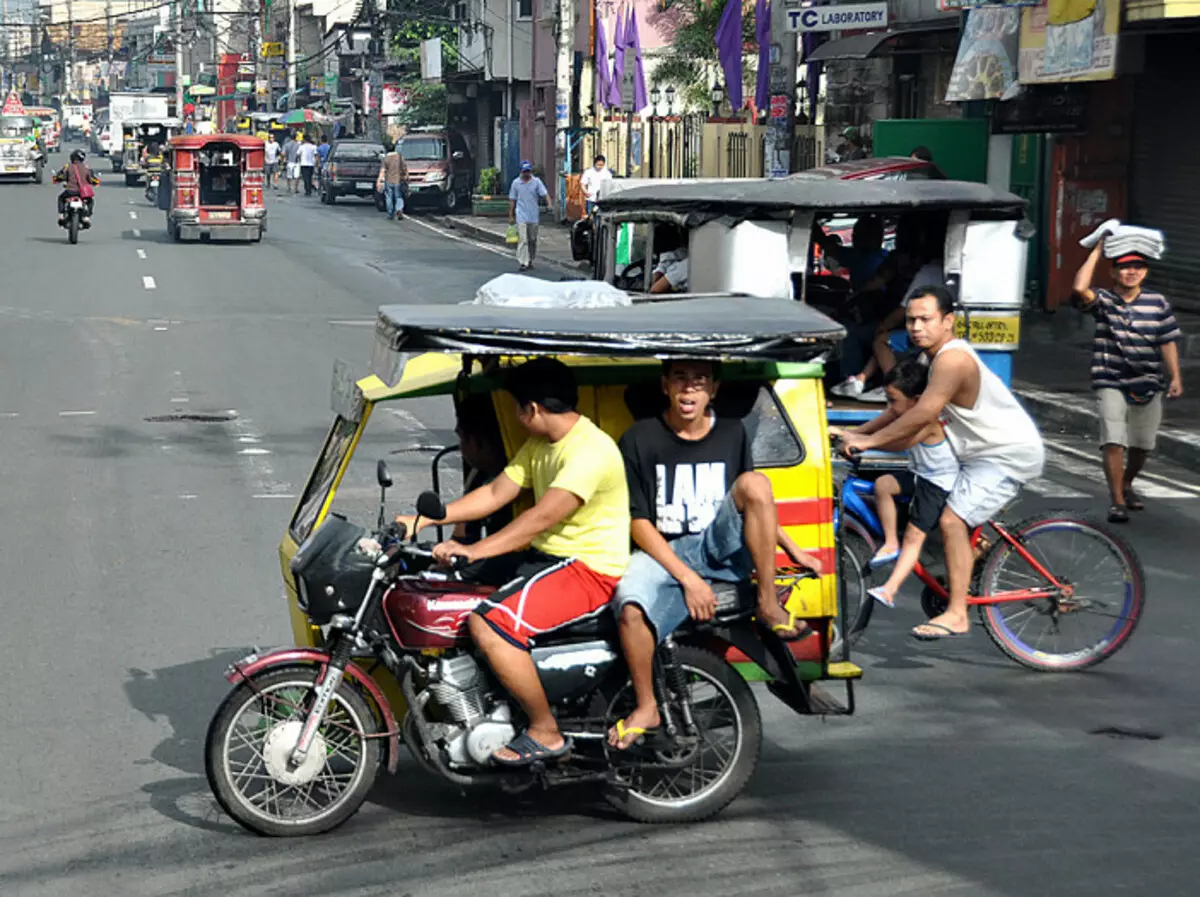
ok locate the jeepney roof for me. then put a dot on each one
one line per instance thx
(718, 327)
(745, 195)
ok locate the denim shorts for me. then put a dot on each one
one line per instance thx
(718, 554)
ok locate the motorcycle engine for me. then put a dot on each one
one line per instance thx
(483, 725)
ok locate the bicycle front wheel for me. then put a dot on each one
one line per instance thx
(1073, 630)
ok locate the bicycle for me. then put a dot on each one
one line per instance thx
(1014, 571)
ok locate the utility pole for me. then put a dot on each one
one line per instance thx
(564, 73)
(4, 70)
(70, 49)
(179, 11)
(781, 121)
(108, 31)
(291, 55)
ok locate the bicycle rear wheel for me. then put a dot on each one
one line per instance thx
(1063, 633)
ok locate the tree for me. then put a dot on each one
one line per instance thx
(427, 100)
(692, 56)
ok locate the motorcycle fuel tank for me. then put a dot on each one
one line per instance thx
(431, 614)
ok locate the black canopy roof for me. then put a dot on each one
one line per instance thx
(695, 327)
(736, 195)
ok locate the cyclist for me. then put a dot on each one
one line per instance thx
(997, 443)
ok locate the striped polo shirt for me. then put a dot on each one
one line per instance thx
(1127, 352)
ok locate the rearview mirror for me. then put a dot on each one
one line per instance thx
(431, 506)
(383, 475)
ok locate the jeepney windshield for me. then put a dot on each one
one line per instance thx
(16, 126)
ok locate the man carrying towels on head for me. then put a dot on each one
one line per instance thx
(1135, 357)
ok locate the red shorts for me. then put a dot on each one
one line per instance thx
(540, 592)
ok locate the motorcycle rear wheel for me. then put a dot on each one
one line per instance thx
(660, 792)
(73, 227)
(248, 742)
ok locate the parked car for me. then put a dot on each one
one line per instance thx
(351, 170)
(441, 171)
(881, 168)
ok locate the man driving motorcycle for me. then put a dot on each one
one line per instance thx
(556, 563)
(72, 176)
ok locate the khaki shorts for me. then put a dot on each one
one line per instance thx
(1126, 424)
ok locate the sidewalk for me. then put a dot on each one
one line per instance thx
(554, 240)
(1051, 375)
(1050, 372)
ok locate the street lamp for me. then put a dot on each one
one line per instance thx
(655, 96)
(670, 99)
(718, 96)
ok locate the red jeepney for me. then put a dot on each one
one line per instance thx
(213, 188)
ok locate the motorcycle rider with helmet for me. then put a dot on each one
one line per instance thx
(72, 176)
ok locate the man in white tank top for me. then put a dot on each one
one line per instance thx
(997, 443)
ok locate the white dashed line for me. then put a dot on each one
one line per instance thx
(179, 401)
(148, 283)
(136, 232)
(188, 496)
(254, 451)
(141, 253)
(248, 440)
(76, 413)
(10, 414)
(364, 322)
(133, 214)
(273, 495)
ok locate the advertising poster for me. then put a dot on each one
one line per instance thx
(1069, 40)
(986, 65)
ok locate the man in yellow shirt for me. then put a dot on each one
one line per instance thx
(556, 563)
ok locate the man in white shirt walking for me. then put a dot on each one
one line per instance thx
(591, 181)
(271, 151)
(524, 210)
(308, 163)
(997, 443)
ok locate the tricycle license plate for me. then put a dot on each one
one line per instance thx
(220, 216)
(364, 185)
(991, 330)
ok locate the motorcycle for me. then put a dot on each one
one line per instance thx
(152, 188)
(75, 218)
(296, 745)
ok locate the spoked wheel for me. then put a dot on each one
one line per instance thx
(1094, 616)
(690, 780)
(248, 751)
(857, 548)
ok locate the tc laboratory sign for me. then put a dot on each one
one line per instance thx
(844, 17)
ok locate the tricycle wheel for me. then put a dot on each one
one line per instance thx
(247, 755)
(688, 783)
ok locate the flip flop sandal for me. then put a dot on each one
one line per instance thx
(530, 751)
(882, 560)
(796, 636)
(624, 732)
(1118, 514)
(881, 596)
(946, 633)
(1133, 501)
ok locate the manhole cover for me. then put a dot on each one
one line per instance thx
(1120, 732)
(189, 418)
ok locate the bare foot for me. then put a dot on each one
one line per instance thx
(647, 719)
(942, 625)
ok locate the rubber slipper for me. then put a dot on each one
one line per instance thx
(1118, 514)
(928, 637)
(1133, 501)
(780, 628)
(624, 732)
(881, 596)
(882, 560)
(529, 751)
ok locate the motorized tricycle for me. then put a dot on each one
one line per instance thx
(382, 654)
(212, 188)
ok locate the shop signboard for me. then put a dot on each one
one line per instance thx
(1069, 40)
(986, 65)
(842, 17)
(1047, 109)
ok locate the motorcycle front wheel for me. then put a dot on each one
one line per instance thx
(661, 782)
(247, 755)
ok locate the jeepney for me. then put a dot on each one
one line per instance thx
(140, 133)
(20, 153)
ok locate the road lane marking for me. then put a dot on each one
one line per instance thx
(1047, 488)
(254, 451)
(273, 495)
(507, 253)
(179, 401)
(133, 214)
(76, 413)
(364, 322)
(1094, 461)
(188, 496)
(148, 282)
(10, 414)
(141, 253)
(136, 232)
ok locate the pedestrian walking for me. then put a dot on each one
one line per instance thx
(308, 163)
(271, 151)
(524, 201)
(591, 181)
(393, 174)
(291, 159)
(1136, 340)
(323, 151)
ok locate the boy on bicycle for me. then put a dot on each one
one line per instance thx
(933, 468)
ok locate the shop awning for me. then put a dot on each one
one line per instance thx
(878, 43)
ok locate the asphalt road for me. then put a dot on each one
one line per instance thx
(139, 559)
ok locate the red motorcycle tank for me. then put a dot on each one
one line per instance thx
(431, 614)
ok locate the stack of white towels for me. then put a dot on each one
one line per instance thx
(1126, 238)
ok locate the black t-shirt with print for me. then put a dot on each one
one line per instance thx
(679, 484)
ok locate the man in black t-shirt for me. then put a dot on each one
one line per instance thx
(700, 513)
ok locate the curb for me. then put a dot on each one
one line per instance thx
(485, 235)
(1056, 410)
